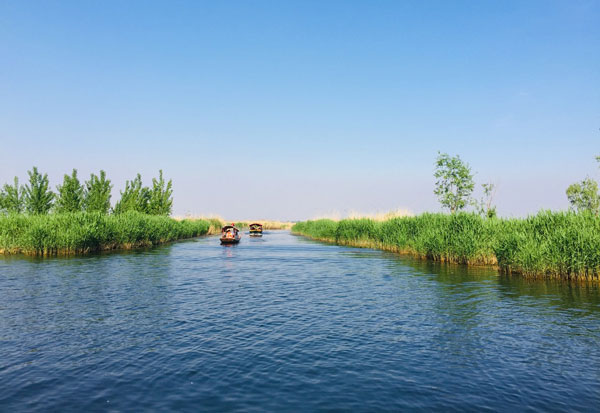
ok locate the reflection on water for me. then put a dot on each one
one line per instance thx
(284, 323)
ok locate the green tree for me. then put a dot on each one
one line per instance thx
(135, 197)
(454, 184)
(38, 196)
(97, 193)
(584, 196)
(12, 197)
(485, 206)
(161, 200)
(70, 194)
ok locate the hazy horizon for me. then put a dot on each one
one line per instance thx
(295, 110)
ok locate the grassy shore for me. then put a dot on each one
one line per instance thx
(562, 245)
(80, 232)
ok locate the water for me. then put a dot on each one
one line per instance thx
(281, 323)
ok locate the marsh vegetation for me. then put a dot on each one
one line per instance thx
(549, 244)
(84, 232)
(78, 217)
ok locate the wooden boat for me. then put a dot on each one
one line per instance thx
(230, 235)
(256, 229)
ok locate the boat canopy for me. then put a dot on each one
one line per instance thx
(226, 227)
(256, 224)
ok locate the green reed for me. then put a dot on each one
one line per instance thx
(84, 232)
(549, 244)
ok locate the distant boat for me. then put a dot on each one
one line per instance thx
(230, 235)
(256, 230)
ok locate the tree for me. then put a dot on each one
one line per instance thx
(161, 200)
(38, 196)
(12, 197)
(485, 206)
(135, 197)
(70, 194)
(97, 193)
(584, 196)
(454, 183)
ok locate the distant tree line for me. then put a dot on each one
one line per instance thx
(36, 197)
(455, 185)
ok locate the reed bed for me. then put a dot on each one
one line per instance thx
(562, 245)
(375, 216)
(267, 225)
(274, 225)
(85, 232)
(217, 223)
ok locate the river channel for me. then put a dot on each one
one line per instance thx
(282, 323)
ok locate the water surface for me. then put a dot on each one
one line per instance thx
(282, 323)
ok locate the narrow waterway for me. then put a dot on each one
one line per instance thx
(282, 323)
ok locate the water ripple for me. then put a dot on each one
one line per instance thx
(286, 324)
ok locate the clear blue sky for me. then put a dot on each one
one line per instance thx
(288, 109)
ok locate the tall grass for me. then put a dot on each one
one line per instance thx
(267, 225)
(81, 232)
(217, 222)
(549, 244)
(375, 216)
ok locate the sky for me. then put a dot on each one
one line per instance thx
(298, 109)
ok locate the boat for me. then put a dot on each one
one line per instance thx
(230, 235)
(256, 230)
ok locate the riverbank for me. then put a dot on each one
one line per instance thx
(562, 245)
(82, 233)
